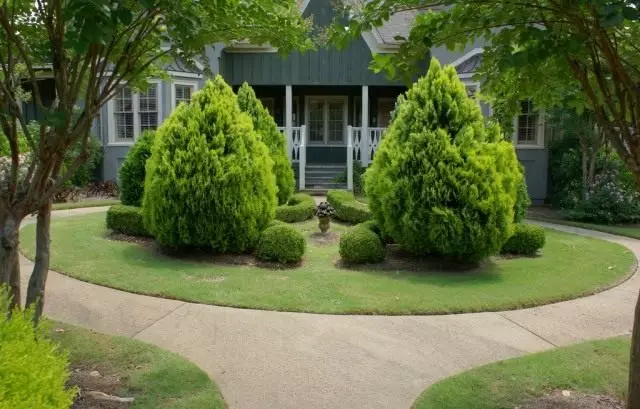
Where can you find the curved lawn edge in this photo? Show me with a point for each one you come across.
(507, 306)
(594, 367)
(150, 374)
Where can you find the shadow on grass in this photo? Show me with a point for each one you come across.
(428, 270)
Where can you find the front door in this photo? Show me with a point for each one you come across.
(326, 119)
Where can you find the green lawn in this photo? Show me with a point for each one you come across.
(85, 203)
(599, 367)
(571, 266)
(157, 379)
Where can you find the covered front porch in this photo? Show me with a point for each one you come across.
(327, 128)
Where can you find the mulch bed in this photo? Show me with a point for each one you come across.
(88, 379)
(573, 400)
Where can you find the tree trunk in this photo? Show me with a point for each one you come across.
(633, 401)
(38, 279)
(9, 261)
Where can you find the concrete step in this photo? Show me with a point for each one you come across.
(324, 186)
(318, 181)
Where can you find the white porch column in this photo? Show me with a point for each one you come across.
(365, 137)
(288, 119)
(349, 158)
(303, 157)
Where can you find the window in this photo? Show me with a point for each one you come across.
(148, 109)
(123, 115)
(182, 93)
(326, 119)
(529, 126)
(132, 113)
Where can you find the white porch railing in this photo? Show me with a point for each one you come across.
(362, 149)
(296, 150)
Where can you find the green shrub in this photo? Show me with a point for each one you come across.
(89, 171)
(126, 220)
(265, 126)
(281, 243)
(301, 207)
(33, 369)
(358, 178)
(522, 201)
(442, 182)
(209, 179)
(347, 208)
(132, 172)
(276, 222)
(527, 239)
(361, 245)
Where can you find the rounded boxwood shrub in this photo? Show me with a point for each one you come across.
(132, 172)
(347, 208)
(126, 220)
(281, 243)
(442, 183)
(33, 369)
(209, 179)
(266, 127)
(527, 239)
(300, 207)
(361, 245)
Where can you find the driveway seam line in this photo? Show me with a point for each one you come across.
(158, 320)
(528, 330)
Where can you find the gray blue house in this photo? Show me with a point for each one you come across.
(332, 109)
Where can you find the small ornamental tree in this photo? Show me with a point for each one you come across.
(209, 179)
(266, 127)
(442, 183)
(132, 172)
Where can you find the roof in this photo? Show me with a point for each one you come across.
(178, 65)
(399, 24)
(470, 65)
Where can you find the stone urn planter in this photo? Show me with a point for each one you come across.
(323, 212)
(324, 223)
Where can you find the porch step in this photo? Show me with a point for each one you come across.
(322, 176)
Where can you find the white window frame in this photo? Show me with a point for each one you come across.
(540, 126)
(345, 115)
(135, 100)
(188, 83)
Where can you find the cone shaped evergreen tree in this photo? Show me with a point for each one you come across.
(266, 127)
(442, 183)
(209, 179)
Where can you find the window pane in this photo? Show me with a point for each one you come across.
(124, 114)
(148, 108)
(528, 124)
(183, 94)
(336, 121)
(316, 121)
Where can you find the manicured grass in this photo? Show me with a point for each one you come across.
(632, 231)
(85, 203)
(571, 266)
(157, 379)
(599, 367)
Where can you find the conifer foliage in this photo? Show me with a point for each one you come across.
(266, 127)
(442, 182)
(209, 179)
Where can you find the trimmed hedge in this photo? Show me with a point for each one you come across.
(209, 181)
(527, 239)
(301, 207)
(266, 127)
(33, 369)
(522, 200)
(348, 209)
(126, 220)
(281, 243)
(132, 172)
(361, 245)
(443, 183)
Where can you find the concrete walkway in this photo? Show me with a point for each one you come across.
(277, 360)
